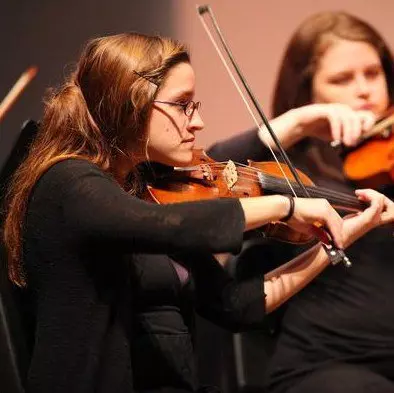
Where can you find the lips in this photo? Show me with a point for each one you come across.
(366, 107)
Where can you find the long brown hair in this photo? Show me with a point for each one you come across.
(294, 83)
(103, 107)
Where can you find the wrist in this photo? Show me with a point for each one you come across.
(290, 210)
(262, 133)
(296, 124)
(283, 207)
(288, 128)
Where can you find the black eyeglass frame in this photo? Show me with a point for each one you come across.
(188, 108)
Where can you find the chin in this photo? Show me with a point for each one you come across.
(178, 159)
(183, 159)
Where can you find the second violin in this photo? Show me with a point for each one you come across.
(371, 163)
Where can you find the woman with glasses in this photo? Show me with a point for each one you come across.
(115, 280)
(336, 78)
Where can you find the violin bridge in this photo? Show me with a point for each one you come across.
(230, 174)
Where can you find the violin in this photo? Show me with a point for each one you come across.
(208, 179)
(371, 163)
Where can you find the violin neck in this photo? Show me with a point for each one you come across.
(339, 200)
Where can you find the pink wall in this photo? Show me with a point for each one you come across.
(257, 32)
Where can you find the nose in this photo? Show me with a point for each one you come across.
(363, 88)
(195, 122)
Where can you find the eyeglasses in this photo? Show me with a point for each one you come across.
(188, 107)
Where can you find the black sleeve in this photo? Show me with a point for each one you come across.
(95, 208)
(233, 304)
(240, 148)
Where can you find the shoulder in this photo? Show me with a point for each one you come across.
(67, 173)
(72, 169)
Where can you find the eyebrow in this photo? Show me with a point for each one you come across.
(183, 94)
(370, 65)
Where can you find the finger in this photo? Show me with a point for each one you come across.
(335, 127)
(334, 223)
(388, 203)
(352, 127)
(387, 215)
(372, 215)
(368, 195)
(347, 121)
(361, 194)
(358, 128)
(368, 120)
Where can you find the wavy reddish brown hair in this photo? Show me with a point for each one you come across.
(103, 107)
(309, 42)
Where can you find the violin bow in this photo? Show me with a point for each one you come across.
(335, 254)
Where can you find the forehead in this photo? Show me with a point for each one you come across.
(343, 55)
(180, 79)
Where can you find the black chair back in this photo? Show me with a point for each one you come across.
(14, 336)
(16, 323)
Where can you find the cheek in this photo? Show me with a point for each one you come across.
(382, 92)
(328, 94)
(165, 141)
(159, 131)
(325, 93)
(318, 92)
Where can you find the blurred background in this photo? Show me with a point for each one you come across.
(50, 34)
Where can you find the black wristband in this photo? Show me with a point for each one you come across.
(291, 209)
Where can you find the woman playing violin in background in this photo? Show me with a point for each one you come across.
(337, 335)
(114, 279)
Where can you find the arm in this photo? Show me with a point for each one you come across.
(285, 281)
(95, 209)
(234, 304)
(329, 122)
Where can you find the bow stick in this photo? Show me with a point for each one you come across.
(335, 255)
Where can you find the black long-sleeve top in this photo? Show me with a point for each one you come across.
(344, 315)
(111, 312)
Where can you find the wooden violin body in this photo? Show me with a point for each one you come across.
(207, 179)
(371, 163)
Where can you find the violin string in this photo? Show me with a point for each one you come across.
(255, 172)
(278, 184)
(241, 93)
